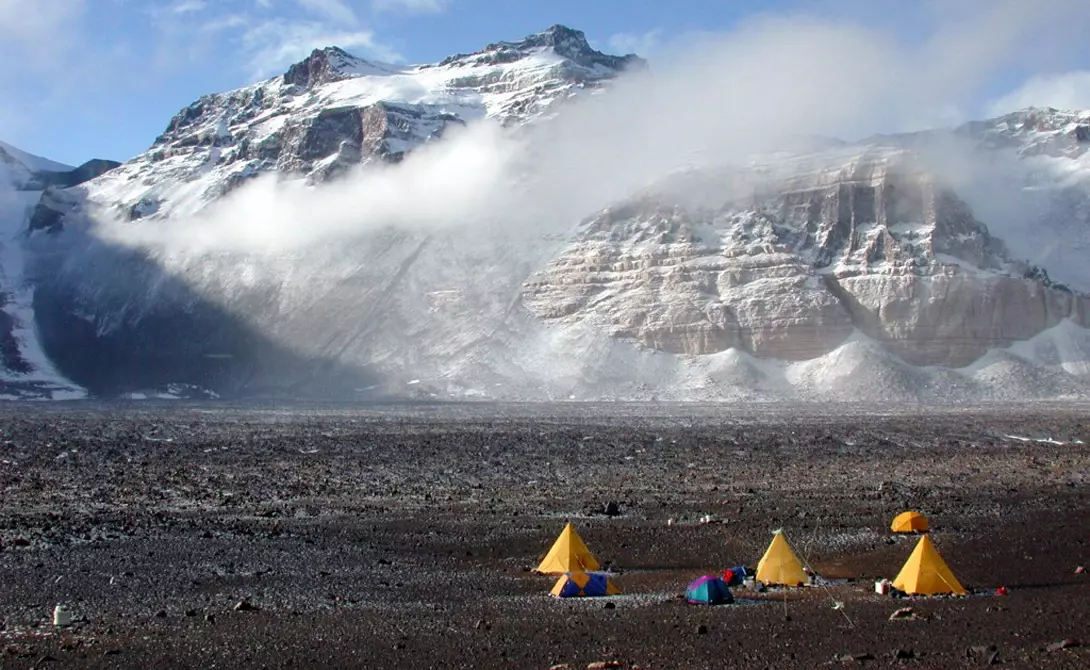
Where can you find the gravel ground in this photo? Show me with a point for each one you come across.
(394, 536)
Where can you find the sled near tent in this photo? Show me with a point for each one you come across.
(780, 565)
(568, 554)
(925, 573)
(909, 522)
(584, 584)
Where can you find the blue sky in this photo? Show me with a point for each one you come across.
(101, 78)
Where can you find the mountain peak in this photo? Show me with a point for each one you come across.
(331, 64)
(565, 42)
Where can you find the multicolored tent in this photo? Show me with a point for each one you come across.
(708, 590)
(583, 584)
(909, 522)
(925, 573)
(780, 565)
(568, 554)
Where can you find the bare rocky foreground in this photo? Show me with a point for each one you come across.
(402, 536)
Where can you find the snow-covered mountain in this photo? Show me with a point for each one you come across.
(25, 369)
(934, 266)
(333, 111)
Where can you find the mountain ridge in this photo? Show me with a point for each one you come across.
(841, 271)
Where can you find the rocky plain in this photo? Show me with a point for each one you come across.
(216, 535)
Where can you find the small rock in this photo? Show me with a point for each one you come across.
(904, 613)
(601, 665)
(1079, 570)
(987, 655)
(46, 659)
(20, 542)
(903, 654)
(161, 614)
(1062, 644)
(191, 612)
(559, 666)
(112, 652)
(701, 629)
(210, 618)
(609, 606)
(612, 508)
(246, 606)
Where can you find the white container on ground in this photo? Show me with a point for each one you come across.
(881, 587)
(61, 616)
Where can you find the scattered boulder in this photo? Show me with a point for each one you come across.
(903, 654)
(904, 614)
(602, 665)
(853, 658)
(1065, 643)
(612, 508)
(246, 606)
(985, 654)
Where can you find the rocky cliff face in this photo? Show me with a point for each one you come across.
(791, 268)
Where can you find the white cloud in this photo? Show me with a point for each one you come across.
(188, 6)
(1068, 90)
(273, 45)
(411, 6)
(39, 34)
(334, 10)
(628, 43)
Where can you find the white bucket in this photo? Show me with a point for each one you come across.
(881, 587)
(61, 616)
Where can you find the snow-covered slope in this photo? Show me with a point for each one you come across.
(890, 268)
(32, 162)
(333, 111)
(25, 370)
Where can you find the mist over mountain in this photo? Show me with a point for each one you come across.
(541, 220)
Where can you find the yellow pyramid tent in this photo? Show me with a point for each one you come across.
(909, 522)
(925, 573)
(569, 554)
(780, 565)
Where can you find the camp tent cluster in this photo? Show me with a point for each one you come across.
(925, 572)
(580, 573)
(570, 558)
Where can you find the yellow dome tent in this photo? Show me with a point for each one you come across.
(925, 573)
(568, 554)
(909, 522)
(780, 565)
